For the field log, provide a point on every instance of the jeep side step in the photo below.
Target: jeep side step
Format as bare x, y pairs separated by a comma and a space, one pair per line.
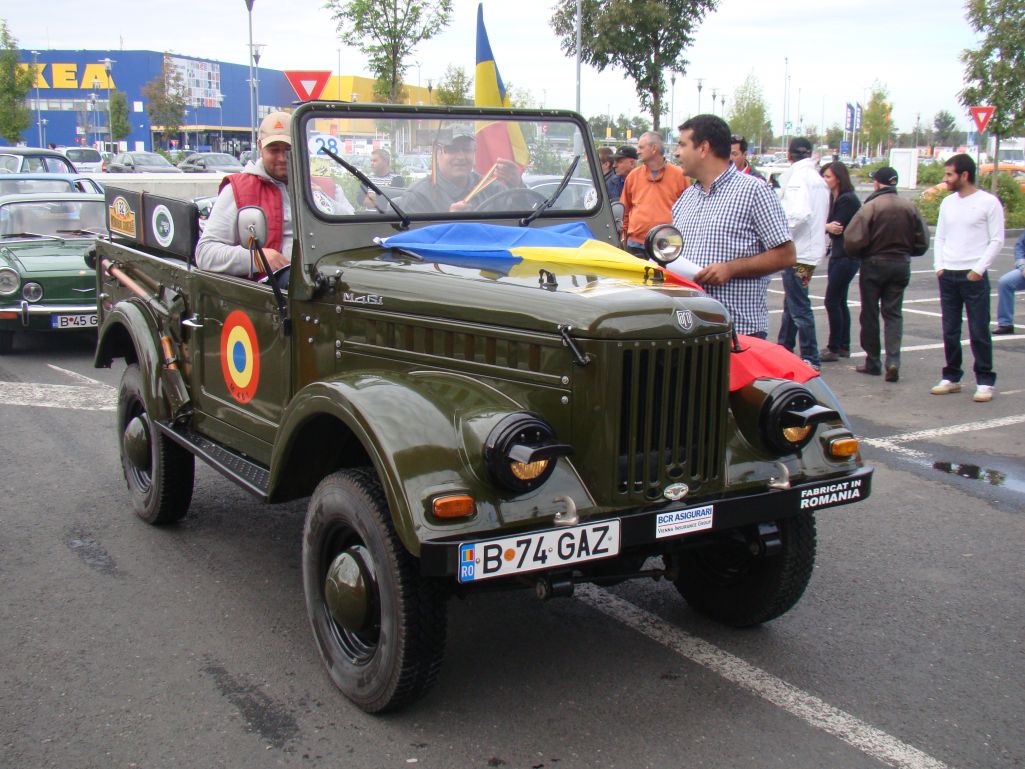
250, 475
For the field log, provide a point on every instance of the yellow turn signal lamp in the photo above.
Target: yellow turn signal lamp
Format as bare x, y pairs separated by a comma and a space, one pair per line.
454, 506
843, 447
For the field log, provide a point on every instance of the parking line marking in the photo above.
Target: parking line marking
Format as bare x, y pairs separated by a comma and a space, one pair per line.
939, 432
79, 377
89, 398
807, 707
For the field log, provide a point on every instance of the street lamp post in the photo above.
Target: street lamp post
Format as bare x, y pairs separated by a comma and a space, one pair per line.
220, 120
430, 92
722, 103
257, 48
699, 95
107, 66
96, 116
714, 92
672, 104
252, 103
35, 78
44, 121
90, 123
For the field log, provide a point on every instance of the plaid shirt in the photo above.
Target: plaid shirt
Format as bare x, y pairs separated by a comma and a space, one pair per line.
738, 216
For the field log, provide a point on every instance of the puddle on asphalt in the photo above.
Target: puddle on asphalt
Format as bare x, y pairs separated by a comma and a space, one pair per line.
976, 473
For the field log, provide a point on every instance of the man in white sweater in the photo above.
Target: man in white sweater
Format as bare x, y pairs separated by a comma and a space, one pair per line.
806, 203
969, 235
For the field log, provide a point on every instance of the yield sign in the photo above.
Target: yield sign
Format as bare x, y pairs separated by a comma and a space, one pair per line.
308, 84
981, 116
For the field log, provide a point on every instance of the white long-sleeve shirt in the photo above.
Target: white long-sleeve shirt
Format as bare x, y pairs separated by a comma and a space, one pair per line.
806, 203
969, 233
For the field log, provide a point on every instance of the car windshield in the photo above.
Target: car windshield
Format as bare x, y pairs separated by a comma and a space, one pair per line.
62, 218
83, 155
218, 159
15, 186
149, 159
443, 165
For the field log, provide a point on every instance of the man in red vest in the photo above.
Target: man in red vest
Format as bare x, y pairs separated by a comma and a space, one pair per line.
263, 184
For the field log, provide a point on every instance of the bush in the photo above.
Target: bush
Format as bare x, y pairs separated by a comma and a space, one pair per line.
1008, 190
930, 174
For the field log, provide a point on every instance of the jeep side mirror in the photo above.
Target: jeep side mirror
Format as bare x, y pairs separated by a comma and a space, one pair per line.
252, 226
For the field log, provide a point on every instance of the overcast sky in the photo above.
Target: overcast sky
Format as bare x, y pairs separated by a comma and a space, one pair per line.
834, 50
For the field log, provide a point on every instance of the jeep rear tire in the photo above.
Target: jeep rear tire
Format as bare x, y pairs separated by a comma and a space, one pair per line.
160, 474
726, 582
379, 626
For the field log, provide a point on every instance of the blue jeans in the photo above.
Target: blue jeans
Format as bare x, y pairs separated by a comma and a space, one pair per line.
797, 316
1009, 283
957, 292
841, 272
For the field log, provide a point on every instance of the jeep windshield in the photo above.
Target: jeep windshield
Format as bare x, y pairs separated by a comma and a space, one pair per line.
447, 165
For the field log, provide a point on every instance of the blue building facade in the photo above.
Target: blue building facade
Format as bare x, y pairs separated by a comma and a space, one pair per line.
70, 100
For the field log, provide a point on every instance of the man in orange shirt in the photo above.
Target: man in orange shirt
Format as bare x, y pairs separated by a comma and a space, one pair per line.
649, 192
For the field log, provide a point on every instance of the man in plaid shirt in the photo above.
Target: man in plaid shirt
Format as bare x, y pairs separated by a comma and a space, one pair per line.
733, 225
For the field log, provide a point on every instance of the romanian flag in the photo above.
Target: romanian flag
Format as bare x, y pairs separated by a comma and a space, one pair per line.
500, 139
561, 249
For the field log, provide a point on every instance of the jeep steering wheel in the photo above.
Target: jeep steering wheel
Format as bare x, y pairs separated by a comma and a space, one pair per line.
514, 198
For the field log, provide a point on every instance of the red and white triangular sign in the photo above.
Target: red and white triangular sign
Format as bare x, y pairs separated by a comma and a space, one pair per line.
308, 84
981, 116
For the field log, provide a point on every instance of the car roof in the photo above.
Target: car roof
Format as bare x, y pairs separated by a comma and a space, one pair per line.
38, 151
42, 197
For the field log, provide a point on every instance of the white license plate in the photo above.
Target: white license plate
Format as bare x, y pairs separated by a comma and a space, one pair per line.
85, 320
541, 550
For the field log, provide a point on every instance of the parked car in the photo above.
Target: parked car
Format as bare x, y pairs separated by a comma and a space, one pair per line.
13, 184
86, 159
140, 162
579, 195
18, 160
44, 284
202, 162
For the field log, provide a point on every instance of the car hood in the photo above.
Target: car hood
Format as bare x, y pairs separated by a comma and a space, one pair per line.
40, 257
597, 302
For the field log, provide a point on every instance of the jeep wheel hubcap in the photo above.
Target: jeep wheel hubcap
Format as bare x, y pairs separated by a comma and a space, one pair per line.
136, 442
345, 590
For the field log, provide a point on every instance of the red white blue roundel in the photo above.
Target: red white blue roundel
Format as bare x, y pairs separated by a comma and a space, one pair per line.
240, 356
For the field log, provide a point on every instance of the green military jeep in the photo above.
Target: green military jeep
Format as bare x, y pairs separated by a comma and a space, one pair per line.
473, 385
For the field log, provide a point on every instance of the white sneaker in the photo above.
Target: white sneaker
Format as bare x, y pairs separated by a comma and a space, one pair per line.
983, 394
945, 387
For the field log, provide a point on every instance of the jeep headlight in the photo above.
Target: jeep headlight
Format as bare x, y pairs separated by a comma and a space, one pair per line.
664, 243
789, 415
521, 451
32, 292
9, 281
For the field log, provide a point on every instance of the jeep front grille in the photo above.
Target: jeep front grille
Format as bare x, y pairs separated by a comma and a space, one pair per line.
672, 419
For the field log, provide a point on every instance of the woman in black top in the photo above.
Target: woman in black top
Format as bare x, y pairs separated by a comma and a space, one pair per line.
844, 203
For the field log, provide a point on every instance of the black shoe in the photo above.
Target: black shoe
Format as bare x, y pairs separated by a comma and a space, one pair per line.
864, 369
1000, 330
892, 374
845, 352
828, 356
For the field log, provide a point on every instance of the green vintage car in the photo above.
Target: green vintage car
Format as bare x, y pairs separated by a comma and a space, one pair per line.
44, 282
473, 385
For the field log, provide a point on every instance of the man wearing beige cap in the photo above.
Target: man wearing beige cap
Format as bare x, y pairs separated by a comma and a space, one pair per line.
263, 184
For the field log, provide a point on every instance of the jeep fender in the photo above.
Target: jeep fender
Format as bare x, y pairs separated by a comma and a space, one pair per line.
423, 432
128, 332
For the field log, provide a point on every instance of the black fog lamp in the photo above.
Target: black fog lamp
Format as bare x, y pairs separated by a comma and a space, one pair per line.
521, 451
789, 416
663, 244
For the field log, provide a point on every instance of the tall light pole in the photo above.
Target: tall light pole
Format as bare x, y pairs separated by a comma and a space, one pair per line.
252, 103
107, 66
96, 115
699, 95
786, 89
257, 48
430, 92
90, 124
722, 103
44, 122
714, 92
672, 104
220, 118
35, 78
580, 16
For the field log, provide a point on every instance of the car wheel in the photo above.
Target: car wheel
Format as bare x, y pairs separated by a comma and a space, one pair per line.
379, 626
729, 583
159, 472
6, 342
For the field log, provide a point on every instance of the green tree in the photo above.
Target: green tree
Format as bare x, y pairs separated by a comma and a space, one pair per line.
876, 123
388, 33
120, 125
166, 99
15, 84
749, 111
946, 127
454, 87
993, 71
645, 38
834, 135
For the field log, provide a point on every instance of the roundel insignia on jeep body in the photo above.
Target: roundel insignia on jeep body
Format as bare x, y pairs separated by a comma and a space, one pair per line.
240, 356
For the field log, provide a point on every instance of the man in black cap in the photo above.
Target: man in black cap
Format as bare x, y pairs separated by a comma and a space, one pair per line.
450, 188
623, 162
885, 233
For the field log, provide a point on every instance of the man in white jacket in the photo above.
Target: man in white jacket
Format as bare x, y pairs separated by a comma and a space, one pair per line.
806, 203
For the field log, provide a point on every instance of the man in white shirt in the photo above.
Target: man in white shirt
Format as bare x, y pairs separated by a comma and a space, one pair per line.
969, 235
806, 203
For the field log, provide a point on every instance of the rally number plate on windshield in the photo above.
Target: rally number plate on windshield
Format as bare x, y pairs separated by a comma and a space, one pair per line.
540, 550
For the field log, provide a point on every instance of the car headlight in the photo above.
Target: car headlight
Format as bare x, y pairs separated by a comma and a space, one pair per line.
789, 416
32, 292
9, 281
664, 243
521, 451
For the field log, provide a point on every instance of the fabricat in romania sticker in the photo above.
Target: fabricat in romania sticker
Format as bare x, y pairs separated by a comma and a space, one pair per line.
240, 356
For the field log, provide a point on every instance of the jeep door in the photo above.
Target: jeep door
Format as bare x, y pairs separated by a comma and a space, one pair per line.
240, 362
